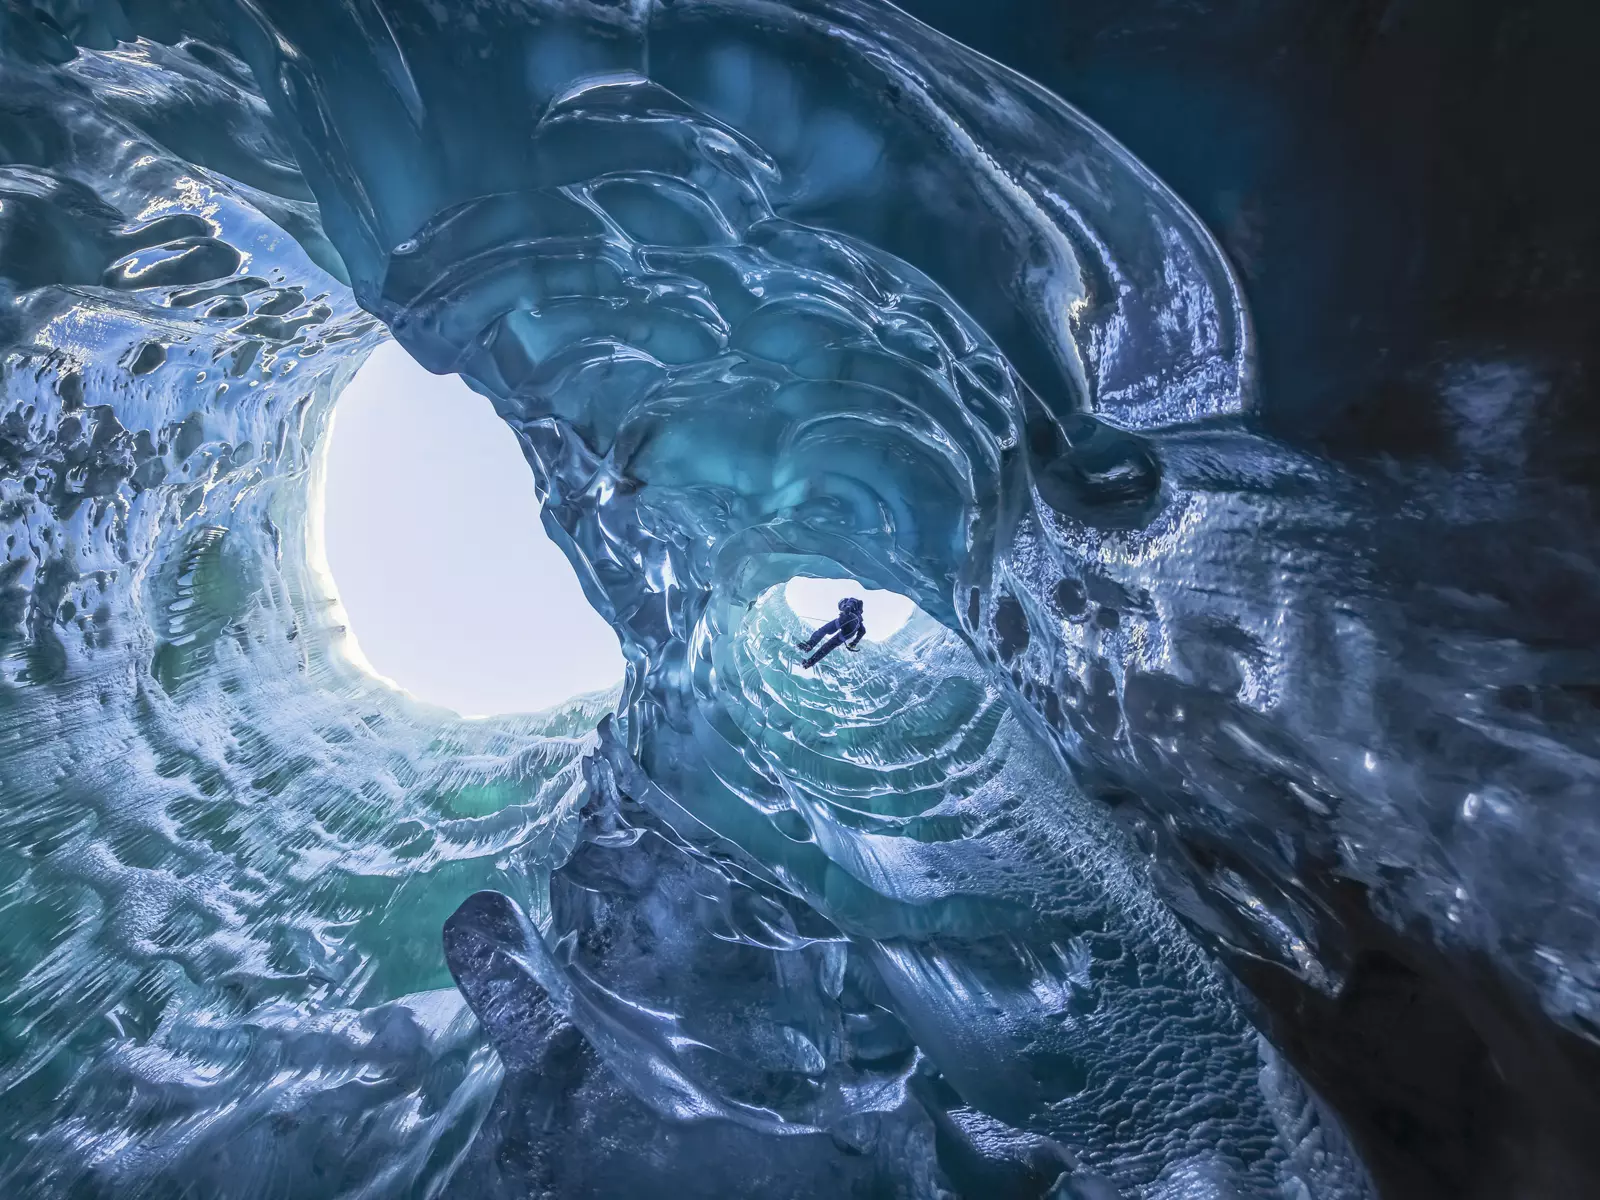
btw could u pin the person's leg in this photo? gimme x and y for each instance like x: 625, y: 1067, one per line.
x: 818, y: 634
x: 828, y: 647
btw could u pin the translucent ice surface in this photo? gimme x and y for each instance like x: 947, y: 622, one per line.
x: 1036, y: 896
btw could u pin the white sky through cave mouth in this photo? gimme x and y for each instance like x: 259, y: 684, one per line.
x: 816, y: 602
x: 431, y: 536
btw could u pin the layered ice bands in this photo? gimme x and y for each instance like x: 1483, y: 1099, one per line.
x: 765, y: 290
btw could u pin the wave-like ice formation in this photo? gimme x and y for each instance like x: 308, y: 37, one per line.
x: 765, y: 289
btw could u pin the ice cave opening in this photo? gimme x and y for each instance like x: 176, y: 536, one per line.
x: 816, y: 601
x: 450, y: 589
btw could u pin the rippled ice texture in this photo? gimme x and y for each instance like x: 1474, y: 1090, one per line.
x: 764, y: 290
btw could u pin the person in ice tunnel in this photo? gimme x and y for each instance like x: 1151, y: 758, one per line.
x: 848, y: 628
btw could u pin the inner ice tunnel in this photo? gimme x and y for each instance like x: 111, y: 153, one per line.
x: 1219, y: 827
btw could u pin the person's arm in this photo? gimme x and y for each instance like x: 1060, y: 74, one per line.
x: 861, y: 632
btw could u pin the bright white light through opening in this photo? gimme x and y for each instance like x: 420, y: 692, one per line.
x: 430, y: 528
x: 817, y: 602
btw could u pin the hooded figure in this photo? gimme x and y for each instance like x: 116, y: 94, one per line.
x: 849, y: 627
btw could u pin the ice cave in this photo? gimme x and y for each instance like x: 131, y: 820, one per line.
x: 1202, y: 396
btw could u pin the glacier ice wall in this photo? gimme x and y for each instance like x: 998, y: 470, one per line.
x: 764, y: 289
x: 227, y: 855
